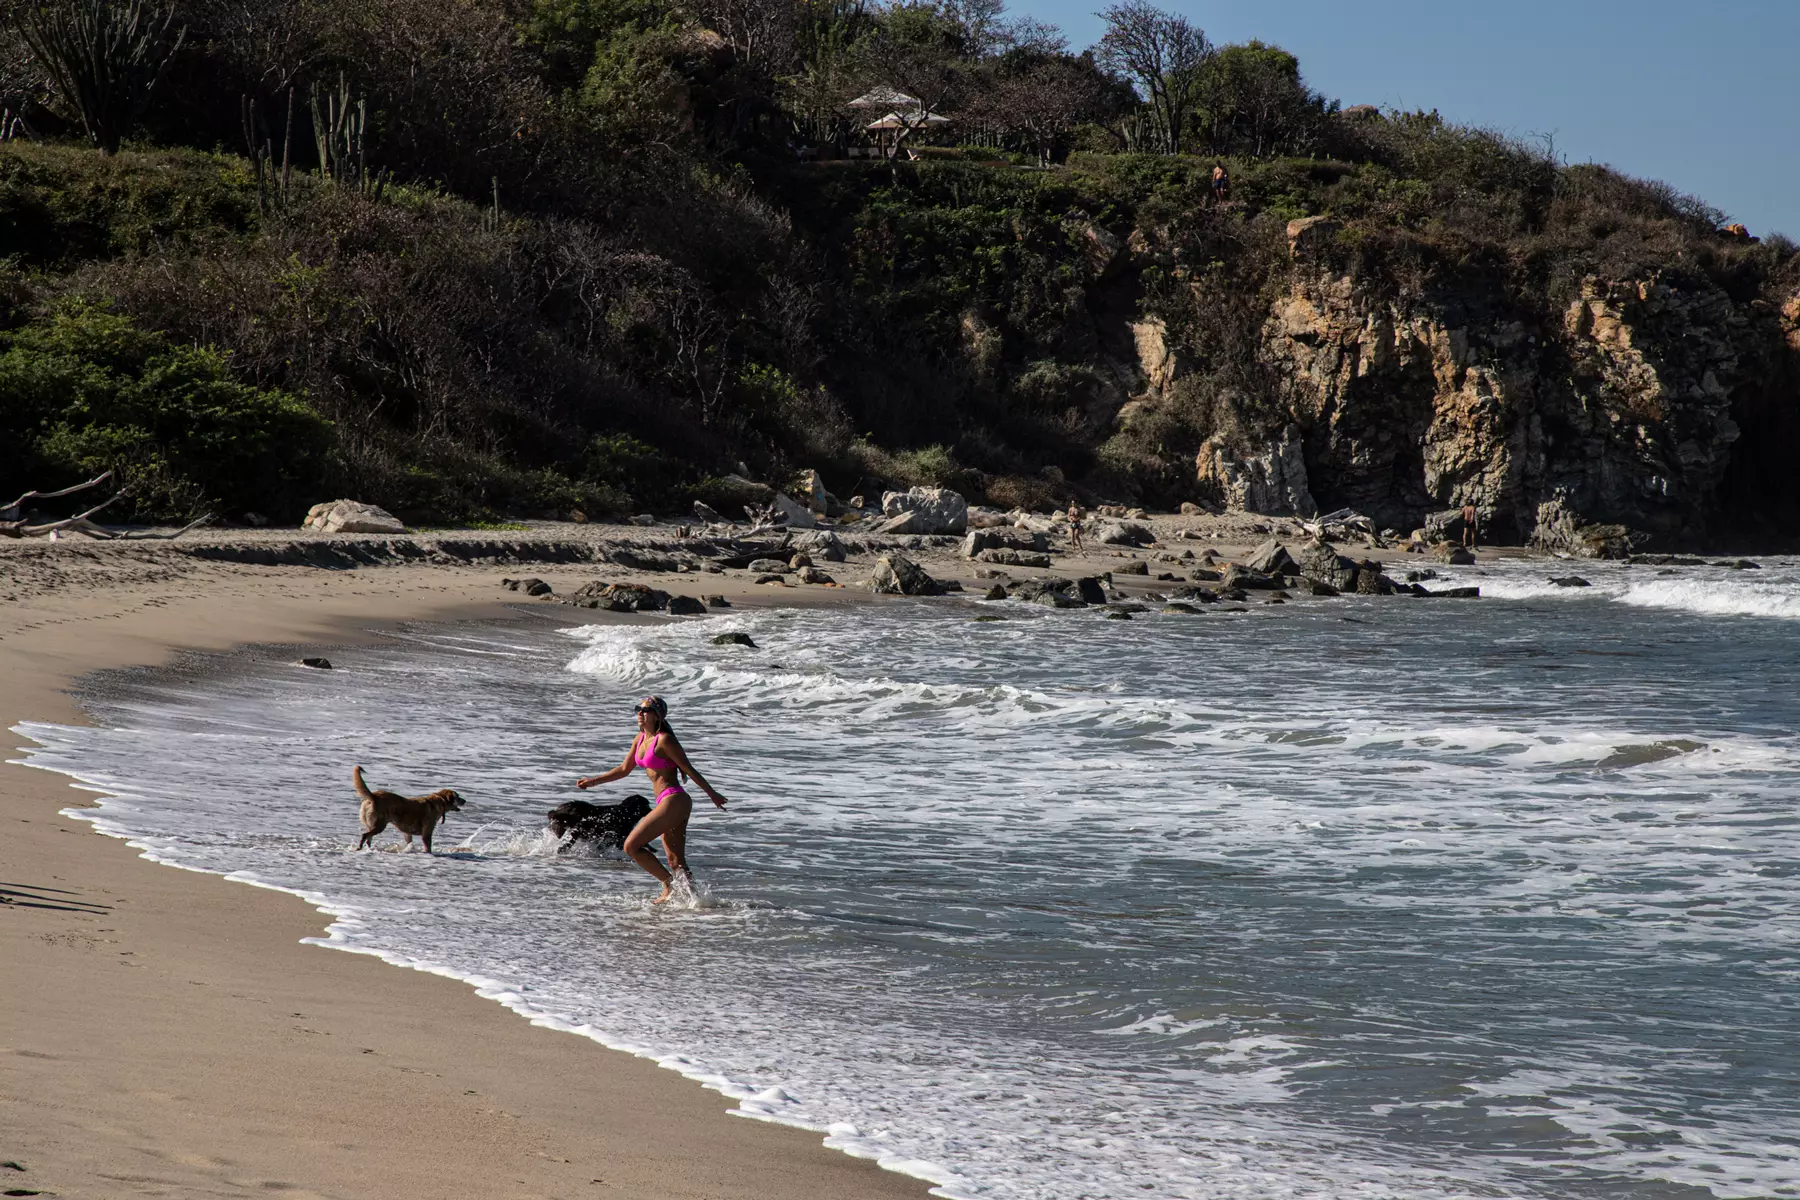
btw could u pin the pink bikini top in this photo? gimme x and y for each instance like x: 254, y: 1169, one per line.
x: 649, y: 758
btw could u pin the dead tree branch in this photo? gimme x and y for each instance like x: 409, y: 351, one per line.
x: 11, y: 511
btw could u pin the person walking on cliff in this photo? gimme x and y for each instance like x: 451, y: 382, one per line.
x: 1221, y: 184
x: 1469, y: 520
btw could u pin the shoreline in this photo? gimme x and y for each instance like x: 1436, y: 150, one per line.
x: 168, y: 1033
x: 86, y: 1039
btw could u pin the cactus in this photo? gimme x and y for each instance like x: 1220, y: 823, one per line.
x: 338, y: 127
x: 104, y: 58
x: 273, y: 188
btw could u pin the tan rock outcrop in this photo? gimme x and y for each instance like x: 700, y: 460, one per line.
x: 1400, y: 407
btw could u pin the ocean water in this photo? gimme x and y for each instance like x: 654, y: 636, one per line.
x: 1350, y: 898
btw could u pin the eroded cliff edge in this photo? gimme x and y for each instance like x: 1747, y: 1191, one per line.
x: 1651, y: 410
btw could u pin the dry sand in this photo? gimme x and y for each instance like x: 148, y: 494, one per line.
x: 164, y: 1032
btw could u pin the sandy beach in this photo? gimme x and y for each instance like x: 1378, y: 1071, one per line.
x: 166, y: 1033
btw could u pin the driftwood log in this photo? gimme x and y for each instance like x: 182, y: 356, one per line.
x: 13, y: 525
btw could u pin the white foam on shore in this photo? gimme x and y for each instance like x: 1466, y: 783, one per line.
x: 1772, y: 591
x: 1057, y: 908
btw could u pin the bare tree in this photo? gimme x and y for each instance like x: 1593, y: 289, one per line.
x: 1041, y: 99
x: 104, y: 58
x: 274, y: 42
x: 1163, y: 55
x: 761, y: 33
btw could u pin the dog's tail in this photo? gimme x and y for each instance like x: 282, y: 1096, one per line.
x: 362, y: 789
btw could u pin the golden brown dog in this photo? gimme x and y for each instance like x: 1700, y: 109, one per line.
x: 416, y: 816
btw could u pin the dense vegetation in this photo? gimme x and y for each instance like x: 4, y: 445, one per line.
x: 463, y: 257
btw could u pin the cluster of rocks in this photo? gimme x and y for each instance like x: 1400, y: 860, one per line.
x: 635, y: 597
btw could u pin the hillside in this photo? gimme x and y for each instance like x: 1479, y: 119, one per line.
x: 641, y: 287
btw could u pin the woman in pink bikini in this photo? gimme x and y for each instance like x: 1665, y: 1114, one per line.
x: 656, y: 750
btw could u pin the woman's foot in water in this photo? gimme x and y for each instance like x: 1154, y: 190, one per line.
x: 682, y: 879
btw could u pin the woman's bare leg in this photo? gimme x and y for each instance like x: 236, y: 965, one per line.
x: 670, y: 814
x: 675, y: 846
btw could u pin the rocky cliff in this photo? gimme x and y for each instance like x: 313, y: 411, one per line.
x: 1623, y: 407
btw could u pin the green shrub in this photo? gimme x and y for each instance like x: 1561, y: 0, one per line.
x: 60, y: 204
x: 85, y: 390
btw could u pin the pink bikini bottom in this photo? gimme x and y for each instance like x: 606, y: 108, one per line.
x: 673, y: 789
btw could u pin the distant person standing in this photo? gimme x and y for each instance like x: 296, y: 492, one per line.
x: 1469, y: 519
x: 1074, y: 526
x: 1221, y: 183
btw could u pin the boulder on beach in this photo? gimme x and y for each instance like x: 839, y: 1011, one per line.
x: 351, y: 516
x: 897, y: 575
x: 1132, y: 568
x: 1322, y: 564
x: 820, y: 544
x: 618, y: 597
x: 1272, y: 558
x: 1456, y: 556
x: 1564, y: 581
x: 685, y: 606
x: 820, y: 501
x: 1004, y: 538
x: 1053, y: 593
x: 531, y: 587
x: 924, y: 510
x: 1122, y: 533
x: 987, y: 518
x: 768, y: 566
x: 1013, y: 558
x: 793, y: 515
x: 1243, y: 577
x: 734, y: 639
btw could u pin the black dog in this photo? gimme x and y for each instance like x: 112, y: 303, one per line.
x: 602, y: 824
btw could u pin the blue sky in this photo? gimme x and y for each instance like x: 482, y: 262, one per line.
x: 1703, y: 96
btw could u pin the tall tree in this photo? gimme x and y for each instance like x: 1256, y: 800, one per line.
x: 1162, y: 55
x: 1252, y: 101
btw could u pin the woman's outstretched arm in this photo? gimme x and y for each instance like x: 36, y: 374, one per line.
x: 679, y: 757
x: 618, y: 772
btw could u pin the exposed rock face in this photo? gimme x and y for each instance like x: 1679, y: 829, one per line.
x: 1617, y: 411
x: 1272, y: 481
